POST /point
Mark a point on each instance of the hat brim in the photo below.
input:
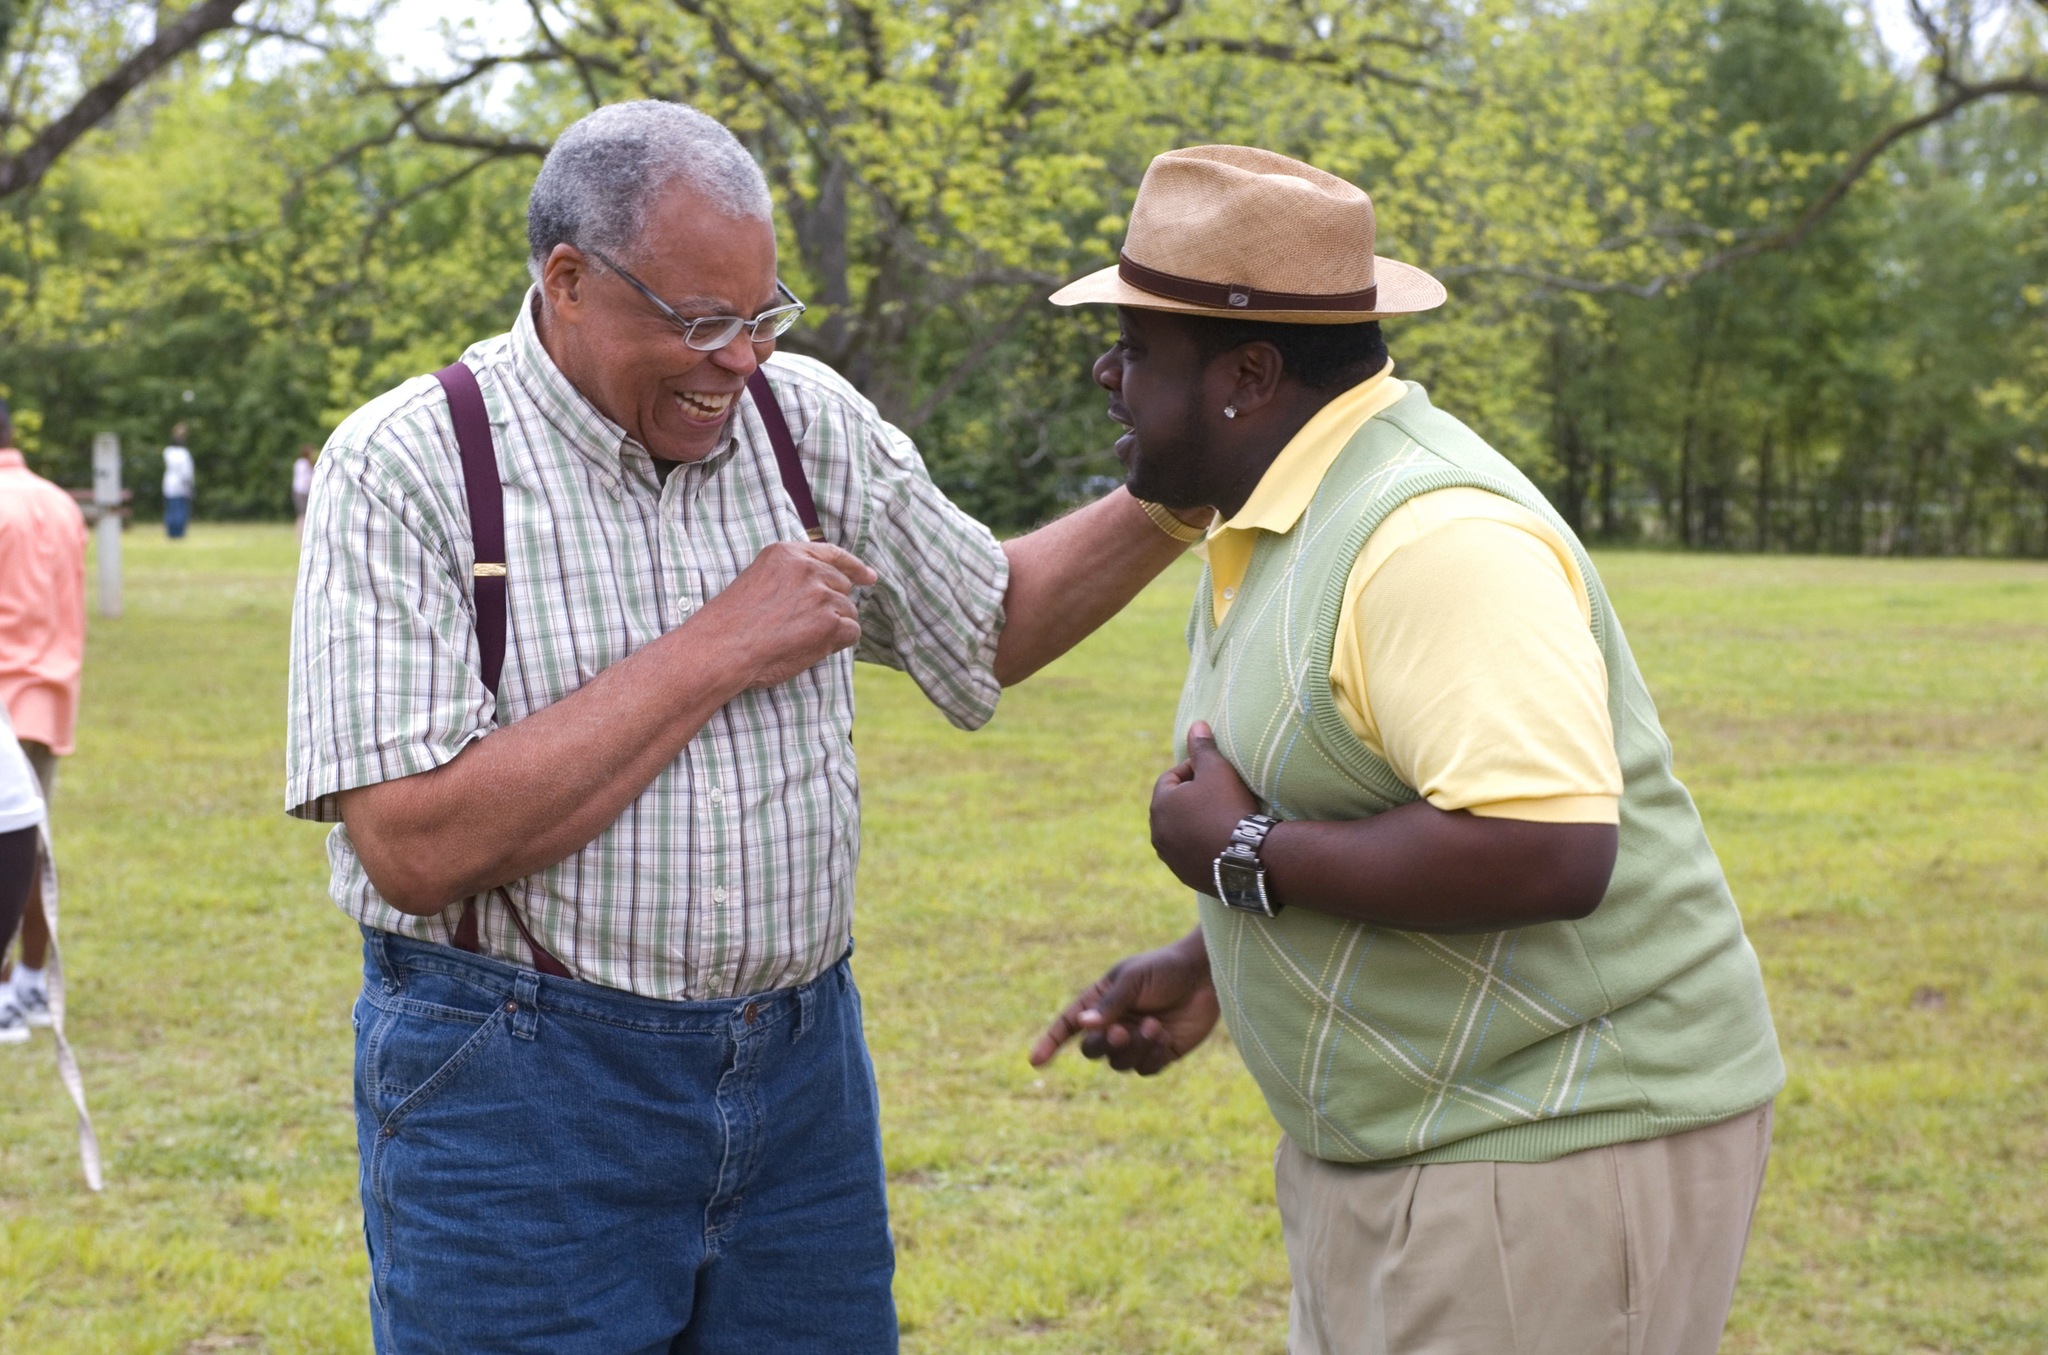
(1403, 290)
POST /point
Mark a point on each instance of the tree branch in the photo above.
(970, 363)
(1963, 95)
(26, 167)
(1860, 163)
(286, 35)
(493, 147)
(580, 61)
(387, 210)
(426, 91)
(1356, 71)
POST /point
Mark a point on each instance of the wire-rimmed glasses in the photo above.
(709, 333)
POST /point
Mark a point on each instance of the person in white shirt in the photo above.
(302, 486)
(21, 821)
(25, 861)
(177, 485)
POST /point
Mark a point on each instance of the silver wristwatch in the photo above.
(1240, 875)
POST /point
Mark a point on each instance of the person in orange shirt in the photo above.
(42, 652)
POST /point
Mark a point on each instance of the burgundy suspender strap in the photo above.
(465, 939)
(486, 496)
(480, 485)
(786, 462)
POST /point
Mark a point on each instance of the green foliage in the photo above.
(283, 236)
(1864, 739)
(1857, 394)
(200, 266)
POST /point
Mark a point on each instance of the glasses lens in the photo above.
(714, 333)
(780, 322)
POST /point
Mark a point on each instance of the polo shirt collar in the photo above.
(1284, 491)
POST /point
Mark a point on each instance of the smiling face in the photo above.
(628, 358)
(1160, 388)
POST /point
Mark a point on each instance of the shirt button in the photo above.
(717, 795)
(718, 893)
(1230, 595)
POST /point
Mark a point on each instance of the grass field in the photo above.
(1866, 739)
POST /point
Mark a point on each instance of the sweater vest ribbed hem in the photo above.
(1553, 1139)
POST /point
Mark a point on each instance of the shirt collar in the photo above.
(10, 459)
(577, 419)
(1283, 492)
(560, 403)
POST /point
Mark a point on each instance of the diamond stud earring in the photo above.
(1230, 411)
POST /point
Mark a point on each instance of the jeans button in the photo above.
(752, 1013)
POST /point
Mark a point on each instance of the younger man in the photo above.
(1465, 923)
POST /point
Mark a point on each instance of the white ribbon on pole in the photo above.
(67, 1062)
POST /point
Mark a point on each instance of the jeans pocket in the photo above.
(416, 1050)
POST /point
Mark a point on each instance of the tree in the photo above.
(61, 45)
(286, 230)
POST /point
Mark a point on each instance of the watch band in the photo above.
(1249, 838)
(1239, 873)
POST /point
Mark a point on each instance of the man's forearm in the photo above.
(1070, 576)
(533, 793)
(1420, 868)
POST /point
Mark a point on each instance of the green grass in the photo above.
(1866, 739)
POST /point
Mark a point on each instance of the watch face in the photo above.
(1241, 886)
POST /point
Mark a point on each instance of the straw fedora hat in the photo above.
(1240, 232)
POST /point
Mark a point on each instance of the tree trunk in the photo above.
(1565, 441)
(1609, 529)
(1763, 492)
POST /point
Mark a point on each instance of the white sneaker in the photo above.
(13, 1021)
(34, 1004)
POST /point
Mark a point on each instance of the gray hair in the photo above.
(595, 186)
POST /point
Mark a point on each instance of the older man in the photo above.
(1466, 925)
(610, 1083)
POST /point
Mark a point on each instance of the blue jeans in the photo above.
(177, 512)
(551, 1166)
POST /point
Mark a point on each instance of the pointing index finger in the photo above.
(1064, 1027)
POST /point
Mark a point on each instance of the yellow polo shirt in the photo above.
(1464, 654)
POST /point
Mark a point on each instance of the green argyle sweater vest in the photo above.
(1377, 1045)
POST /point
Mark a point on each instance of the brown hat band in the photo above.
(1226, 296)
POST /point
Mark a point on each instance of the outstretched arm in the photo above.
(1070, 576)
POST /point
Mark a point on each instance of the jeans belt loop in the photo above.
(386, 957)
(806, 1009)
(526, 1004)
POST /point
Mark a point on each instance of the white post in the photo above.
(106, 497)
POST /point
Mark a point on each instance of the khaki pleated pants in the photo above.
(1626, 1250)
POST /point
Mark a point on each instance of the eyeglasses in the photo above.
(709, 333)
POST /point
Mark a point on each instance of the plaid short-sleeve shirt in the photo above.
(733, 872)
